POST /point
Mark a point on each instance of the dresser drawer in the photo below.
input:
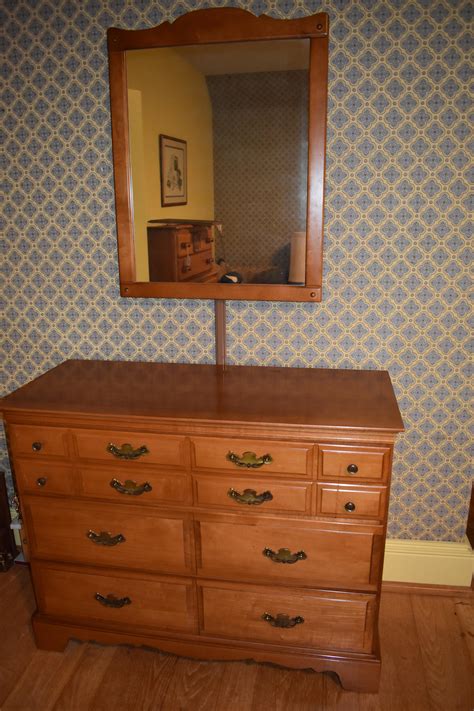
(322, 620)
(130, 449)
(194, 264)
(43, 477)
(146, 601)
(351, 501)
(252, 456)
(339, 462)
(149, 486)
(291, 553)
(60, 530)
(249, 495)
(38, 441)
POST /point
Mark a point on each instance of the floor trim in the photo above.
(436, 563)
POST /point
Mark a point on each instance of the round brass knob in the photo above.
(352, 468)
(36, 446)
(41, 481)
(350, 506)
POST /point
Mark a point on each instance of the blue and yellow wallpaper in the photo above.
(396, 235)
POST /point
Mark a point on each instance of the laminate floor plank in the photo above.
(134, 679)
(445, 656)
(16, 603)
(194, 686)
(237, 686)
(79, 691)
(44, 678)
(403, 684)
(282, 689)
(464, 611)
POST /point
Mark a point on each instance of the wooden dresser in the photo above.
(233, 513)
(181, 251)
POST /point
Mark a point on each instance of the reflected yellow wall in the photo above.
(167, 95)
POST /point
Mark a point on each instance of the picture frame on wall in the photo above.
(173, 171)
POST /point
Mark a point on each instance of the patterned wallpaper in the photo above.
(396, 237)
(260, 159)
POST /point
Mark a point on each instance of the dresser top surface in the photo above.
(288, 396)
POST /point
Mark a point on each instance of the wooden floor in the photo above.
(428, 657)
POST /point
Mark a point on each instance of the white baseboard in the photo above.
(429, 562)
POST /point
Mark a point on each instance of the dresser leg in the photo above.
(48, 636)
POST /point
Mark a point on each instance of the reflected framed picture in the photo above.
(173, 171)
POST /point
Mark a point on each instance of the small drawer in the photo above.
(184, 242)
(339, 462)
(38, 441)
(291, 553)
(43, 477)
(332, 621)
(351, 502)
(114, 599)
(130, 448)
(147, 486)
(252, 456)
(252, 496)
(134, 538)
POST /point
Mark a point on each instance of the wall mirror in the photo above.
(218, 127)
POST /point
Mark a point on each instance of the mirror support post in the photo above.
(220, 323)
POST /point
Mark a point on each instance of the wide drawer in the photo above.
(130, 448)
(135, 537)
(43, 477)
(149, 486)
(340, 462)
(324, 620)
(291, 553)
(194, 264)
(252, 456)
(114, 599)
(38, 441)
(249, 495)
(351, 501)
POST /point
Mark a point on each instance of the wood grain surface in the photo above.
(427, 666)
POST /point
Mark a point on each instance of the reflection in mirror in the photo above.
(225, 196)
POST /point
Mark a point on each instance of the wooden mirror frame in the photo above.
(213, 26)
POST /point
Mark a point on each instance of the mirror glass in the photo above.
(218, 137)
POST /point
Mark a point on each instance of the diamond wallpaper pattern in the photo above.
(397, 227)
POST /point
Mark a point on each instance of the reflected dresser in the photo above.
(214, 512)
(180, 251)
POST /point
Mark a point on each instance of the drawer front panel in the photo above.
(58, 530)
(43, 477)
(354, 463)
(163, 450)
(70, 594)
(330, 557)
(252, 496)
(38, 441)
(286, 458)
(197, 263)
(146, 487)
(351, 502)
(324, 620)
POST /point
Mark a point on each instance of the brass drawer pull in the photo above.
(105, 539)
(284, 555)
(41, 481)
(126, 451)
(282, 620)
(249, 460)
(352, 468)
(130, 487)
(112, 601)
(37, 446)
(350, 506)
(250, 496)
